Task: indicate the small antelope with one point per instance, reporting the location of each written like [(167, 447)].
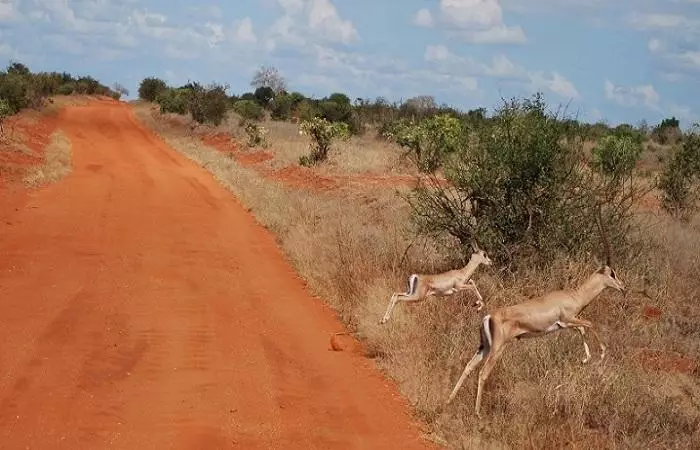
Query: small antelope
[(421, 286), (537, 317)]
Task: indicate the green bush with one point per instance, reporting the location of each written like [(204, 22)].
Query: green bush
[(249, 110), (522, 190), (150, 88), (256, 135), (308, 110), (281, 108), (66, 88), (322, 133), (429, 141), (5, 111), (173, 101), (680, 181), (617, 154), (264, 96), (208, 104)]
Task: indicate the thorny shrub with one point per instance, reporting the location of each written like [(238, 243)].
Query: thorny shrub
[(522, 189), (429, 141), (322, 133), (256, 135)]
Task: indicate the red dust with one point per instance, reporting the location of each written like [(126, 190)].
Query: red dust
[(666, 361), (651, 312)]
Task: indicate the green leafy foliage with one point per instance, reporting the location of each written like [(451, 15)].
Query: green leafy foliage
[(249, 110), (617, 154), (680, 181), (522, 190), (150, 88), (429, 141), (323, 133)]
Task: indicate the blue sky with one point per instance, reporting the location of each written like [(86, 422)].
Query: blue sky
[(621, 61)]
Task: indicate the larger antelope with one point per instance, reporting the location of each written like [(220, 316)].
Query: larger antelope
[(537, 317), (421, 286)]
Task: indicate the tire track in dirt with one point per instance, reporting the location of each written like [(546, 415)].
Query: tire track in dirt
[(143, 307)]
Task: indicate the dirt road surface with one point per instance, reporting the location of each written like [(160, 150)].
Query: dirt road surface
[(143, 307)]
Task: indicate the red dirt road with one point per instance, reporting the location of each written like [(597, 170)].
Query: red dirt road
[(143, 307)]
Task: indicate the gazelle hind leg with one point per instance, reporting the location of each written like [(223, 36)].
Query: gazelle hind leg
[(392, 303), (476, 359), (484, 373)]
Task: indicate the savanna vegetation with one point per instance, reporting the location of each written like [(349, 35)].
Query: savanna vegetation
[(20, 88), (525, 181)]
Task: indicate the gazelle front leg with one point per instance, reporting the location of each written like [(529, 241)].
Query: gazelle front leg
[(582, 323), (582, 330), (471, 285)]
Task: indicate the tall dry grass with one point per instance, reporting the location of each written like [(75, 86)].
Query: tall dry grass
[(350, 247), (57, 161)]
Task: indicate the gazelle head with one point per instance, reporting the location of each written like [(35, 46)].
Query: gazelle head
[(610, 279), (479, 256)]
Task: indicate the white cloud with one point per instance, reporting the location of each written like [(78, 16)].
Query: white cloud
[(423, 18), (7, 11), (436, 53), (243, 31), (502, 68), (475, 21), (555, 83), (657, 21), (305, 22), (632, 96), (325, 20)]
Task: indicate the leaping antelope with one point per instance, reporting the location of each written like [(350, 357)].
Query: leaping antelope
[(421, 286), (536, 317)]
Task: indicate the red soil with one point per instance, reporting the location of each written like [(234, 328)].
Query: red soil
[(144, 307), (666, 361)]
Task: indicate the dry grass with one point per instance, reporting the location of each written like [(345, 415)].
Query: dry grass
[(57, 162), (349, 245)]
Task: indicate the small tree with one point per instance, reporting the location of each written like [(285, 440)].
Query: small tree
[(322, 133), (150, 88), (264, 96), (680, 181), (616, 155), (269, 76)]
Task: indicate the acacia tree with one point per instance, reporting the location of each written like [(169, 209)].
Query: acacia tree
[(269, 76)]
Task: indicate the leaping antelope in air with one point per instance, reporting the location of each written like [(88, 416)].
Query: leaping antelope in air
[(539, 316), (421, 286)]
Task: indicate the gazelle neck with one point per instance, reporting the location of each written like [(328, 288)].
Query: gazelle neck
[(469, 269), (588, 290)]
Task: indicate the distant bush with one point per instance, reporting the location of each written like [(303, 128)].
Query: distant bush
[(281, 108), (323, 133), (208, 104), (617, 154), (150, 88), (256, 135), (667, 132), (173, 101), (429, 141), (264, 96), (680, 181), (249, 110)]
